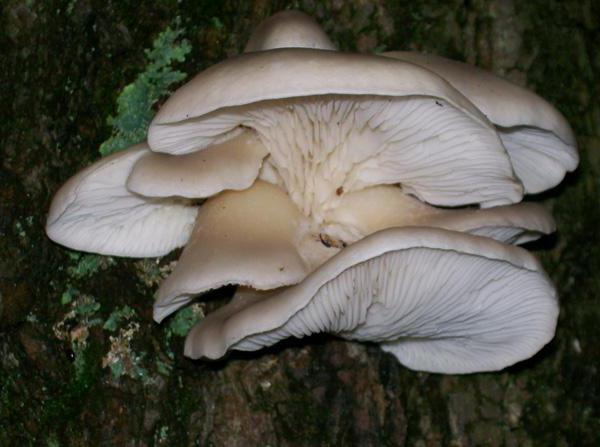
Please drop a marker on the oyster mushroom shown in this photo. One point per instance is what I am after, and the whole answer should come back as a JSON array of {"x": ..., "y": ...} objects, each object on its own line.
[
  {"x": 343, "y": 122},
  {"x": 339, "y": 128},
  {"x": 231, "y": 165},
  {"x": 538, "y": 138},
  {"x": 94, "y": 211},
  {"x": 439, "y": 301},
  {"x": 340, "y": 124},
  {"x": 302, "y": 154},
  {"x": 138, "y": 203},
  {"x": 258, "y": 237}
]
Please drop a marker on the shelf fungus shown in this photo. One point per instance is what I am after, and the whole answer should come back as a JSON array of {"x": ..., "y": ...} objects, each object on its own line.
[{"x": 375, "y": 197}]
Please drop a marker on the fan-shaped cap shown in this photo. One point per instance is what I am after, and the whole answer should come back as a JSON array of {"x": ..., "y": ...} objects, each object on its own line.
[
  {"x": 440, "y": 301},
  {"x": 380, "y": 207},
  {"x": 289, "y": 29},
  {"x": 538, "y": 138},
  {"x": 512, "y": 224},
  {"x": 207, "y": 108},
  {"x": 233, "y": 164},
  {"x": 414, "y": 127},
  {"x": 254, "y": 237},
  {"x": 95, "y": 212}
]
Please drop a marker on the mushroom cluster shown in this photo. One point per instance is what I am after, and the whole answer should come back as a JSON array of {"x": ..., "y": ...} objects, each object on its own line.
[{"x": 375, "y": 197}]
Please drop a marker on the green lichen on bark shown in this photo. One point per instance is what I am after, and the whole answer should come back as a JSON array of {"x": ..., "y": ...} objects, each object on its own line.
[
  {"x": 134, "y": 104},
  {"x": 62, "y": 69}
]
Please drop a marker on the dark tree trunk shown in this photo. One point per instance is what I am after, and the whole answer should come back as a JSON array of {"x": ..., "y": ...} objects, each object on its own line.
[{"x": 72, "y": 375}]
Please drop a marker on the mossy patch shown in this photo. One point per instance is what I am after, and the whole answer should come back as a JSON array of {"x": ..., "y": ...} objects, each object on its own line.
[
  {"x": 86, "y": 265},
  {"x": 185, "y": 319},
  {"x": 74, "y": 329},
  {"x": 134, "y": 104},
  {"x": 116, "y": 317}
]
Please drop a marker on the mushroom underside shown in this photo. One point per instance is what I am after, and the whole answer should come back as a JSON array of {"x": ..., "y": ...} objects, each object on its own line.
[
  {"x": 539, "y": 157},
  {"x": 440, "y": 301},
  {"x": 539, "y": 140},
  {"x": 258, "y": 238},
  {"x": 95, "y": 212},
  {"x": 320, "y": 145}
]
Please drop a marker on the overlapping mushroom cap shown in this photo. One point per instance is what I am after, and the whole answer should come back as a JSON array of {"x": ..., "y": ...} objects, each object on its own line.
[
  {"x": 310, "y": 161},
  {"x": 440, "y": 301},
  {"x": 538, "y": 139}
]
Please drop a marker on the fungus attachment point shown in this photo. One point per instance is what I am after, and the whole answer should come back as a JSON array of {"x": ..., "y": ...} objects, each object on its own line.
[{"x": 253, "y": 238}]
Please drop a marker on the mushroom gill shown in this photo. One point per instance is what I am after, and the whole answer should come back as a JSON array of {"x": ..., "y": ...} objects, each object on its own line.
[
  {"x": 537, "y": 137},
  {"x": 438, "y": 300}
]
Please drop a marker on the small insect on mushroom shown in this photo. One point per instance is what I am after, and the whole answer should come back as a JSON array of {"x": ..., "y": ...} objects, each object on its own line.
[{"x": 373, "y": 197}]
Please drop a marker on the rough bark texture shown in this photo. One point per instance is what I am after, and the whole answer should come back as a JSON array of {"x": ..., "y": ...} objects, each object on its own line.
[{"x": 77, "y": 367}]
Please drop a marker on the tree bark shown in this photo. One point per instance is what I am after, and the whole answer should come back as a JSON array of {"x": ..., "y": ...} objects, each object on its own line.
[{"x": 82, "y": 362}]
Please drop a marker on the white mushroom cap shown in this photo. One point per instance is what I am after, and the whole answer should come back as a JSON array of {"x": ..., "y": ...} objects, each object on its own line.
[
  {"x": 95, "y": 212},
  {"x": 538, "y": 138},
  {"x": 289, "y": 29},
  {"x": 200, "y": 112},
  {"x": 396, "y": 123},
  {"x": 233, "y": 164},
  {"x": 440, "y": 301},
  {"x": 373, "y": 209},
  {"x": 512, "y": 224},
  {"x": 256, "y": 237}
]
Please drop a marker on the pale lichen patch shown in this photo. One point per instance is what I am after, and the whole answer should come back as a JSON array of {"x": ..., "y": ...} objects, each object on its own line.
[
  {"x": 151, "y": 272},
  {"x": 74, "y": 328},
  {"x": 122, "y": 359}
]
